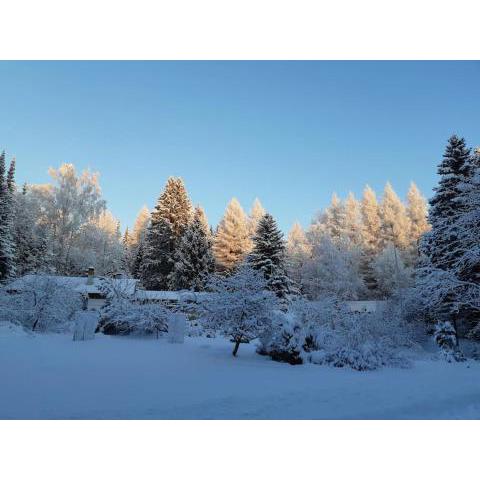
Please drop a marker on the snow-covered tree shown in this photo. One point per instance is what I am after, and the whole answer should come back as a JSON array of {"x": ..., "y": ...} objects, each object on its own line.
[
  {"x": 395, "y": 223},
  {"x": 353, "y": 226},
  {"x": 7, "y": 227},
  {"x": 452, "y": 297},
  {"x": 333, "y": 269},
  {"x": 30, "y": 246},
  {"x": 239, "y": 306},
  {"x": 232, "y": 240},
  {"x": 256, "y": 213},
  {"x": 170, "y": 218},
  {"x": 371, "y": 235},
  {"x": 298, "y": 252},
  {"x": 334, "y": 219},
  {"x": 390, "y": 272},
  {"x": 67, "y": 209},
  {"x": 193, "y": 257},
  {"x": 268, "y": 256},
  {"x": 417, "y": 213}
]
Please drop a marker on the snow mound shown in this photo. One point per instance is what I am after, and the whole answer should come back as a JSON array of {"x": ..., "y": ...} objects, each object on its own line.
[{"x": 9, "y": 329}]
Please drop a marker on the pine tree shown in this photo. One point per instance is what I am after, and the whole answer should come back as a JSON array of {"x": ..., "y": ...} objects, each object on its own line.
[
  {"x": 7, "y": 246},
  {"x": 268, "y": 256},
  {"x": 170, "y": 218},
  {"x": 193, "y": 257},
  {"x": 232, "y": 240}
]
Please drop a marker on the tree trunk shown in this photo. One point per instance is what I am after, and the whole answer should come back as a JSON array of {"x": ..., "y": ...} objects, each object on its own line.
[{"x": 237, "y": 344}]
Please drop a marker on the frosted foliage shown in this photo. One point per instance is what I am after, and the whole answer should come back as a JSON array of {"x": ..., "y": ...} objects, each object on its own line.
[
  {"x": 327, "y": 333},
  {"x": 298, "y": 252},
  {"x": 256, "y": 213},
  {"x": 239, "y": 306},
  {"x": 232, "y": 241},
  {"x": 43, "y": 305},
  {"x": 390, "y": 272},
  {"x": 123, "y": 316},
  {"x": 333, "y": 269},
  {"x": 69, "y": 207},
  {"x": 395, "y": 222}
]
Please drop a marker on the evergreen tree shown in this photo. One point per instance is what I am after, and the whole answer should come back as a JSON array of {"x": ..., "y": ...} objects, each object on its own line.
[
  {"x": 170, "y": 218},
  {"x": 439, "y": 280},
  {"x": 29, "y": 248},
  {"x": 232, "y": 240},
  {"x": 371, "y": 236},
  {"x": 193, "y": 257},
  {"x": 7, "y": 246},
  {"x": 268, "y": 256}
]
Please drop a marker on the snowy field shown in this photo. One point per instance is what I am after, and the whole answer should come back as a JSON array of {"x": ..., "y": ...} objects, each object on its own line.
[{"x": 51, "y": 377}]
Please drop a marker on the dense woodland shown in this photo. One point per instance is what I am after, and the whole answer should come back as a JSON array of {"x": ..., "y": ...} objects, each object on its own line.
[{"x": 425, "y": 261}]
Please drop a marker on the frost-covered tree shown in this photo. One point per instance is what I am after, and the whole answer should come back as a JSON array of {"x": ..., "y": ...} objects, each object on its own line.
[
  {"x": 7, "y": 227},
  {"x": 67, "y": 209},
  {"x": 333, "y": 269},
  {"x": 395, "y": 223},
  {"x": 170, "y": 218},
  {"x": 353, "y": 226},
  {"x": 268, "y": 256},
  {"x": 417, "y": 214},
  {"x": 239, "y": 306},
  {"x": 256, "y": 213},
  {"x": 298, "y": 252},
  {"x": 371, "y": 235},
  {"x": 391, "y": 273},
  {"x": 193, "y": 257},
  {"x": 30, "y": 245},
  {"x": 232, "y": 240},
  {"x": 451, "y": 297},
  {"x": 334, "y": 219},
  {"x": 135, "y": 239}
]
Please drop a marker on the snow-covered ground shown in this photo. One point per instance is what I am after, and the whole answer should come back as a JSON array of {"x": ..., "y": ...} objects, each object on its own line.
[{"x": 50, "y": 376}]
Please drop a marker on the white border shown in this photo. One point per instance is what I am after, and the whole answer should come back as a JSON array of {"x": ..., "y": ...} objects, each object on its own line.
[{"x": 241, "y": 29}]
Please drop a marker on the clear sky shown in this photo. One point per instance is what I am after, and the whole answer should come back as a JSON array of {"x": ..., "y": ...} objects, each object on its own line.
[{"x": 290, "y": 133}]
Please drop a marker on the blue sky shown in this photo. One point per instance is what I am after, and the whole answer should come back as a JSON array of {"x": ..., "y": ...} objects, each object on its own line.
[{"x": 288, "y": 132}]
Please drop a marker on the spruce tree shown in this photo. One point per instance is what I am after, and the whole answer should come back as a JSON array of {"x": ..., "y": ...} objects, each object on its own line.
[
  {"x": 170, "y": 218},
  {"x": 438, "y": 274},
  {"x": 232, "y": 240},
  {"x": 193, "y": 257},
  {"x": 7, "y": 247},
  {"x": 268, "y": 256}
]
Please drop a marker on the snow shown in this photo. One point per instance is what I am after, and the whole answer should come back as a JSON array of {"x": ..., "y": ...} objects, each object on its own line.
[{"x": 51, "y": 377}]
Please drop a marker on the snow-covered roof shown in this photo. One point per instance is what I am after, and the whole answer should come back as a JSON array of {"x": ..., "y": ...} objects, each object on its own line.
[
  {"x": 77, "y": 284},
  {"x": 165, "y": 295}
]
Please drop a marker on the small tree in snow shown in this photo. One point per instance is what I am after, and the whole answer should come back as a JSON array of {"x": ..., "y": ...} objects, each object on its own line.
[{"x": 239, "y": 306}]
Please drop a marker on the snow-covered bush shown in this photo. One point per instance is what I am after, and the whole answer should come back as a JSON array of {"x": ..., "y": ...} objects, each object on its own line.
[
  {"x": 239, "y": 306},
  {"x": 127, "y": 317},
  {"x": 43, "y": 304},
  {"x": 328, "y": 333}
]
